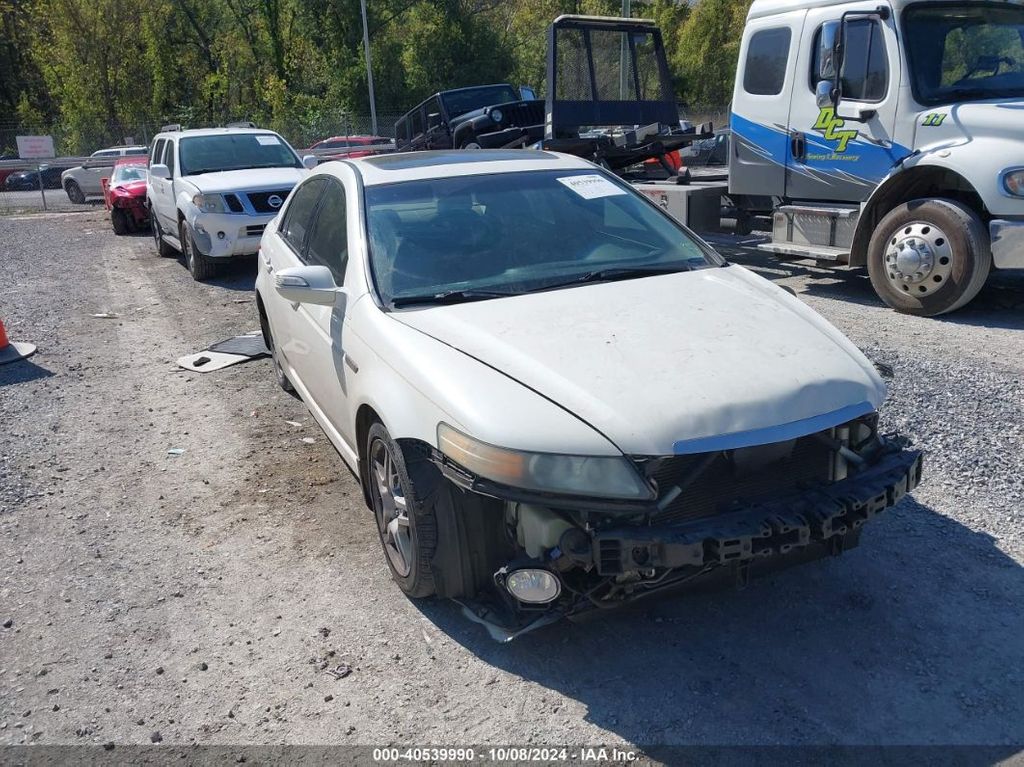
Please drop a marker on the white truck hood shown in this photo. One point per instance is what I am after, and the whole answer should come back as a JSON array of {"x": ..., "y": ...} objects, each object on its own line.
[
  {"x": 257, "y": 179},
  {"x": 683, "y": 363}
]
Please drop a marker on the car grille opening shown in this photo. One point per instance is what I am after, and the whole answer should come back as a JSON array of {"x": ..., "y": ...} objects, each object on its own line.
[
  {"x": 736, "y": 477},
  {"x": 260, "y": 201},
  {"x": 523, "y": 115},
  {"x": 233, "y": 203},
  {"x": 255, "y": 230}
]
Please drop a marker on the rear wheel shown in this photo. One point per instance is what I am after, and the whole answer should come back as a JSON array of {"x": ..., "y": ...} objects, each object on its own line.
[
  {"x": 199, "y": 266},
  {"x": 165, "y": 250},
  {"x": 929, "y": 257},
  {"x": 75, "y": 193},
  {"x": 119, "y": 220},
  {"x": 405, "y": 515}
]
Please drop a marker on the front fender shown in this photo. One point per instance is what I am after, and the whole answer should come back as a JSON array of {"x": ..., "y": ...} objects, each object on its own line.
[{"x": 980, "y": 163}]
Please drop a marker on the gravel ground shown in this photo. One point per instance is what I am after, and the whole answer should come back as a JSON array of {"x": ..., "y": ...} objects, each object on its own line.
[{"x": 198, "y": 598}]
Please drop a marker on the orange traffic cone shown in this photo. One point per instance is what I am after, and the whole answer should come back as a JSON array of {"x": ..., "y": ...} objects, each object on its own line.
[{"x": 10, "y": 351}]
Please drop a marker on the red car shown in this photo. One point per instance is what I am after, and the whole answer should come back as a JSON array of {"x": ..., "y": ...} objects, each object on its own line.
[
  {"x": 125, "y": 195},
  {"x": 348, "y": 146}
]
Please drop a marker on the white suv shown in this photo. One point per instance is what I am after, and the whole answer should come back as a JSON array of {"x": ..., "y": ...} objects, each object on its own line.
[
  {"x": 212, "y": 191},
  {"x": 85, "y": 180}
]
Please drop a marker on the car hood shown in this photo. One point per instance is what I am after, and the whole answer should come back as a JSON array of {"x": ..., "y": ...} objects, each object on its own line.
[
  {"x": 255, "y": 179},
  {"x": 682, "y": 363},
  {"x": 135, "y": 188}
]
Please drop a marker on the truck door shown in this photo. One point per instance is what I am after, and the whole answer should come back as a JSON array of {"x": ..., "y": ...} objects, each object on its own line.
[
  {"x": 841, "y": 154},
  {"x": 760, "y": 106}
]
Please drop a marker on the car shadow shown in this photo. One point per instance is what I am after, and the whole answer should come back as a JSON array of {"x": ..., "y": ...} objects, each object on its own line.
[
  {"x": 237, "y": 274},
  {"x": 912, "y": 638},
  {"x": 996, "y": 306},
  {"x": 22, "y": 371}
]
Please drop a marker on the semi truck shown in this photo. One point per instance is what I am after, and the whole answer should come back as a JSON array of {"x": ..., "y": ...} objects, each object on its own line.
[{"x": 889, "y": 135}]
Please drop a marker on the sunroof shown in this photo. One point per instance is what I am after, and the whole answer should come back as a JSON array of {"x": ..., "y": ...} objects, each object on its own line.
[{"x": 407, "y": 160}]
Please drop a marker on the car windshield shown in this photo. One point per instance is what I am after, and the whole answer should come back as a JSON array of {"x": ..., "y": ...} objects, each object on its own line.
[
  {"x": 965, "y": 52},
  {"x": 234, "y": 151},
  {"x": 472, "y": 237},
  {"x": 125, "y": 173},
  {"x": 460, "y": 102}
]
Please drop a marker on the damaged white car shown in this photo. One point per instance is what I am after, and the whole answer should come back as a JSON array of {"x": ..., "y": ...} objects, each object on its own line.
[{"x": 555, "y": 397}]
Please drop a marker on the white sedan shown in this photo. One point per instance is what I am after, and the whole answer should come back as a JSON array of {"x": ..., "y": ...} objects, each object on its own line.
[{"x": 553, "y": 395}]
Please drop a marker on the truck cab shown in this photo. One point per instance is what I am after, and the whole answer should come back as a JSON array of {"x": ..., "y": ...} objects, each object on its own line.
[{"x": 890, "y": 136}]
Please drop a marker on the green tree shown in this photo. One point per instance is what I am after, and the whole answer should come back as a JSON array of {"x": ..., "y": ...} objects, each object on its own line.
[{"x": 707, "y": 50}]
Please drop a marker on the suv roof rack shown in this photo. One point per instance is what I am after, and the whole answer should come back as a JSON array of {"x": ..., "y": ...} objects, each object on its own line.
[
  {"x": 242, "y": 124},
  {"x": 171, "y": 127}
]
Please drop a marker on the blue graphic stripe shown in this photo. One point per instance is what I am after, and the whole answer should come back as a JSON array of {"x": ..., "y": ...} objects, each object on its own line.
[{"x": 770, "y": 434}]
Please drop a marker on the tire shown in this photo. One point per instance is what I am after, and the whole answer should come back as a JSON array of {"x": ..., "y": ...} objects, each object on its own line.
[
  {"x": 389, "y": 477},
  {"x": 929, "y": 257},
  {"x": 470, "y": 142},
  {"x": 162, "y": 248},
  {"x": 74, "y": 192},
  {"x": 268, "y": 338},
  {"x": 199, "y": 266},
  {"x": 119, "y": 220}
]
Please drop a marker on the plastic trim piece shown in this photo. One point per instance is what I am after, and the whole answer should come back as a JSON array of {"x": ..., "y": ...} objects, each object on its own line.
[{"x": 770, "y": 434}]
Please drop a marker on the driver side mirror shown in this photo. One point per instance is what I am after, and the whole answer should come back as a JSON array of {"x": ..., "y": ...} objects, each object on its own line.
[
  {"x": 307, "y": 285},
  {"x": 310, "y": 161},
  {"x": 159, "y": 171},
  {"x": 826, "y": 92}
]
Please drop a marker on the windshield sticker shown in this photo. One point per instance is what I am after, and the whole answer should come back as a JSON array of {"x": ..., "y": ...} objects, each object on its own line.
[
  {"x": 591, "y": 186},
  {"x": 268, "y": 140}
]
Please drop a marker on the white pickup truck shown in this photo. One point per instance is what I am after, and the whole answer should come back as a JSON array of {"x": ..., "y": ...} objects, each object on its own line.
[
  {"x": 212, "y": 191},
  {"x": 889, "y": 134}
]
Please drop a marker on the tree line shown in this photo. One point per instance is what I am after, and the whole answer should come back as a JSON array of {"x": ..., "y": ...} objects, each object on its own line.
[{"x": 100, "y": 67}]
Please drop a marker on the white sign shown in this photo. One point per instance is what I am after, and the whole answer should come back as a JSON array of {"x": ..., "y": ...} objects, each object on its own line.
[
  {"x": 35, "y": 147},
  {"x": 268, "y": 140},
  {"x": 591, "y": 186}
]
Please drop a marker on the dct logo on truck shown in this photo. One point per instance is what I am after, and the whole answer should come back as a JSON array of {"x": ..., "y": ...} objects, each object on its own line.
[{"x": 830, "y": 127}]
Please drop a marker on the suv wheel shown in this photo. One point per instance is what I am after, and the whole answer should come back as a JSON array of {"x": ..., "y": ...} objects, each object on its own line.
[
  {"x": 470, "y": 143},
  {"x": 165, "y": 250},
  {"x": 199, "y": 266},
  {"x": 75, "y": 193}
]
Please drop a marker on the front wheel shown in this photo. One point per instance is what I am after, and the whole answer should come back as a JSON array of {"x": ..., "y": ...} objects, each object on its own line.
[
  {"x": 929, "y": 257},
  {"x": 470, "y": 143},
  {"x": 75, "y": 193},
  {"x": 119, "y": 220},
  {"x": 201, "y": 267},
  {"x": 405, "y": 515}
]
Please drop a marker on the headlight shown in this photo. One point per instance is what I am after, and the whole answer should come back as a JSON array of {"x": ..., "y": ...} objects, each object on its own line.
[
  {"x": 211, "y": 203},
  {"x": 1013, "y": 182},
  {"x": 600, "y": 476},
  {"x": 496, "y": 115}
]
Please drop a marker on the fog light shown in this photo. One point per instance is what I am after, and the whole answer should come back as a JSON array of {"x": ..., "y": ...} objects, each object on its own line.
[
  {"x": 220, "y": 235},
  {"x": 533, "y": 586}
]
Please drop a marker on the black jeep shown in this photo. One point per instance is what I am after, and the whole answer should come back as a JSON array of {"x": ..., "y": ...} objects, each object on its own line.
[{"x": 481, "y": 117}]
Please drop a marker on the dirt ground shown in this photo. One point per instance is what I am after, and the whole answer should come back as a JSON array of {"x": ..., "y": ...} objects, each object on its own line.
[{"x": 202, "y": 598}]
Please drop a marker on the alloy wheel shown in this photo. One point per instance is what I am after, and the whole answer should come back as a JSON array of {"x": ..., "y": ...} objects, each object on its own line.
[{"x": 391, "y": 509}]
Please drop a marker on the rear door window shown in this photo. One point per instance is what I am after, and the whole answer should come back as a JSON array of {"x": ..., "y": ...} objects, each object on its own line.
[
  {"x": 764, "y": 71},
  {"x": 169, "y": 156},
  {"x": 158, "y": 152}
]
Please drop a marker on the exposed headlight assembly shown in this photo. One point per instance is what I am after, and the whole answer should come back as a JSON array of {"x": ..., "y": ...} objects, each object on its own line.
[
  {"x": 210, "y": 203},
  {"x": 496, "y": 115},
  {"x": 612, "y": 477},
  {"x": 1013, "y": 182}
]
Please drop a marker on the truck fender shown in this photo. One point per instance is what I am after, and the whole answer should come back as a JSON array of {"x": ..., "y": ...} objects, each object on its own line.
[{"x": 919, "y": 175}]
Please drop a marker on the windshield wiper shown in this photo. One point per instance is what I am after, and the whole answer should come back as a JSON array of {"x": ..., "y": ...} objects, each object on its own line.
[
  {"x": 449, "y": 297},
  {"x": 618, "y": 273}
]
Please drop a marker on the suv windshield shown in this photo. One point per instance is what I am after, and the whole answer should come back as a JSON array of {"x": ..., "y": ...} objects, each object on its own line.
[
  {"x": 965, "y": 52},
  {"x": 471, "y": 237},
  {"x": 234, "y": 151},
  {"x": 459, "y": 102}
]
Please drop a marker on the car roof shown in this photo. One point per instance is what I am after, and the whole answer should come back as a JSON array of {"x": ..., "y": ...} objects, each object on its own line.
[
  {"x": 212, "y": 132},
  {"x": 415, "y": 166}
]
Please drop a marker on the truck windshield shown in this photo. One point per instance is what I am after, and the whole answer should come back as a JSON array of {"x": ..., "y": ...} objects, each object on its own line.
[
  {"x": 459, "y": 102},
  {"x": 235, "y": 151},
  {"x": 965, "y": 52},
  {"x": 469, "y": 237}
]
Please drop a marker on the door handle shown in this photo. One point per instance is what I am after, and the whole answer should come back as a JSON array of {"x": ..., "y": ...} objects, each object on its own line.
[{"x": 798, "y": 146}]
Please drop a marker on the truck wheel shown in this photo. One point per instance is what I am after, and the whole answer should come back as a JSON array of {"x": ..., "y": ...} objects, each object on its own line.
[
  {"x": 199, "y": 266},
  {"x": 929, "y": 257},
  {"x": 470, "y": 142},
  {"x": 405, "y": 514},
  {"x": 75, "y": 193},
  {"x": 162, "y": 248},
  {"x": 119, "y": 220}
]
